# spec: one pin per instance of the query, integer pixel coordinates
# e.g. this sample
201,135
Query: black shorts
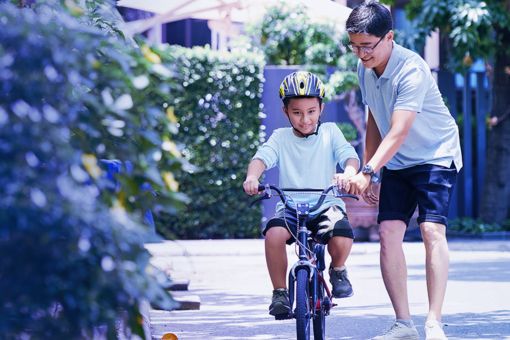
326,224
427,186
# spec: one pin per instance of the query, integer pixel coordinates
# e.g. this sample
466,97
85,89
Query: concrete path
231,279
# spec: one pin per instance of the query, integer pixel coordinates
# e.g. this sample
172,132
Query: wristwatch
367,169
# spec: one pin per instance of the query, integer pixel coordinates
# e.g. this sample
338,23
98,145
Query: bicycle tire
302,311
319,319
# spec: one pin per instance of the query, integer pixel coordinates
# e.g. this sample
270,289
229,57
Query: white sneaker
399,331
434,331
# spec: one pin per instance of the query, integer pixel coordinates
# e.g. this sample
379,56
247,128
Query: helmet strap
300,134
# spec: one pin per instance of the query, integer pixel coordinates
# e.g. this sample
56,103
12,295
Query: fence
469,102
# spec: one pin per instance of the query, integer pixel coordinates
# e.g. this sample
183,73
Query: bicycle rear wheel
302,311
319,319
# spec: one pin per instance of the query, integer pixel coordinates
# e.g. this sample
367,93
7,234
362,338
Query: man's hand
371,195
358,183
251,186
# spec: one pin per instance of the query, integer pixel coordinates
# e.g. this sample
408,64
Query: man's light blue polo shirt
407,84
307,162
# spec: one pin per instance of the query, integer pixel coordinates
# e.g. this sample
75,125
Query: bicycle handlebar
268,187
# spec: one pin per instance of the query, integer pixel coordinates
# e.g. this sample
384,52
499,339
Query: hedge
219,112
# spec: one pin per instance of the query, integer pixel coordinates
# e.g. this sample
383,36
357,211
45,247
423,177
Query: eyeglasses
365,49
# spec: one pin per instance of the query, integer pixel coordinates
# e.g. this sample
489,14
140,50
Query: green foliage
349,131
287,36
474,226
72,253
219,120
474,29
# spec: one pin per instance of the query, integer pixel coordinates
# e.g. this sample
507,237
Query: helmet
301,84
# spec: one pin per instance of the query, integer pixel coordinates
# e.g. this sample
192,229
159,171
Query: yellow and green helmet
301,84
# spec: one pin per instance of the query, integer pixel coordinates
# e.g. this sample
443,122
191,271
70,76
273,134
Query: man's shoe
434,331
280,304
342,287
399,331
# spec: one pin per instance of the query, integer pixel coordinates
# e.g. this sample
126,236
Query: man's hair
286,101
369,17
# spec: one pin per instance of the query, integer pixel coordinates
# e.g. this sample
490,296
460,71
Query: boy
410,133
306,154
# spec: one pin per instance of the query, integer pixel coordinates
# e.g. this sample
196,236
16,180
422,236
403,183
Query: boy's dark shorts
427,186
326,224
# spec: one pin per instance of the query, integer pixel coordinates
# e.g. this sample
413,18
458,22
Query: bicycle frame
306,282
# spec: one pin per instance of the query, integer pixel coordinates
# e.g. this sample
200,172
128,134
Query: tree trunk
495,206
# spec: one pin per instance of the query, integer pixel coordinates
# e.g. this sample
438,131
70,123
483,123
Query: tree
471,30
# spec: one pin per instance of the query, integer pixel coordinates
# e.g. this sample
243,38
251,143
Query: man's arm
255,169
401,122
372,139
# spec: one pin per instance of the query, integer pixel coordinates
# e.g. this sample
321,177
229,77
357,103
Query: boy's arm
351,169
255,169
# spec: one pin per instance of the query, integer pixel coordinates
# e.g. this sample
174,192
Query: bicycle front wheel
302,311
319,319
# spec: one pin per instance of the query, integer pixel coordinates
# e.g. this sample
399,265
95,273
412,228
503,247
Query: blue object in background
113,167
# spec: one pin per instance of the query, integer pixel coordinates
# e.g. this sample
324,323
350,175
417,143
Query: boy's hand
342,181
251,186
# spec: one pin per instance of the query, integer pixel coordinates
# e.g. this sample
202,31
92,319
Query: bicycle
312,295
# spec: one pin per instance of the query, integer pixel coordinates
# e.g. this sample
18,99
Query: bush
73,260
219,120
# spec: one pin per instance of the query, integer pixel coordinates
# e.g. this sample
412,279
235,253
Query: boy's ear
284,110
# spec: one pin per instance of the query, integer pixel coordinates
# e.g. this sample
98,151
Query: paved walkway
231,279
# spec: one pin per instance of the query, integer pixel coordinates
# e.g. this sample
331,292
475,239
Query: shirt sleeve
268,152
411,90
342,148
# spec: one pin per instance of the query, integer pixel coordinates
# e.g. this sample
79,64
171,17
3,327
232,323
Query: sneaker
434,331
280,304
342,287
399,331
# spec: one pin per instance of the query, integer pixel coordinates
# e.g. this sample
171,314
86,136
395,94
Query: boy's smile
304,114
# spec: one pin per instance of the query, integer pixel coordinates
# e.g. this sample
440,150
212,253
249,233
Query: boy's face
374,52
304,114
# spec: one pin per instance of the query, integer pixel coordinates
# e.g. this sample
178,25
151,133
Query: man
413,138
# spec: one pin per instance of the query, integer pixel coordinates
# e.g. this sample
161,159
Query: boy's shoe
342,287
434,331
280,304
399,331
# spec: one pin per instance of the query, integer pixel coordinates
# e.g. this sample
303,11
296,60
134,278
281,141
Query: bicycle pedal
284,316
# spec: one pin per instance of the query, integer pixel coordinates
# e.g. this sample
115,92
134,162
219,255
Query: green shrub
219,120
73,260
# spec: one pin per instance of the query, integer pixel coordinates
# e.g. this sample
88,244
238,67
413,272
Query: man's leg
393,266
436,265
276,255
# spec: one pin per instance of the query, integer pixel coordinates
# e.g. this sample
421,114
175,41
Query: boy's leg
436,265
276,255
339,248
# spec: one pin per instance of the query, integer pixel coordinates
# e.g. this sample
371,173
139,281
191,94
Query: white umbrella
240,11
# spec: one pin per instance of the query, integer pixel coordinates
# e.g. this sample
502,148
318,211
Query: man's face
373,51
304,114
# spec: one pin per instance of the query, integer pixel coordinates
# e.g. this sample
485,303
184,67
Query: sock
281,289
339,269
407,323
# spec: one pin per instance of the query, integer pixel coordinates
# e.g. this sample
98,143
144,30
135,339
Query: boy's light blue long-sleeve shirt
307,162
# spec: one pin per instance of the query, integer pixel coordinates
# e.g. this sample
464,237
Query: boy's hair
286,101
369,17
